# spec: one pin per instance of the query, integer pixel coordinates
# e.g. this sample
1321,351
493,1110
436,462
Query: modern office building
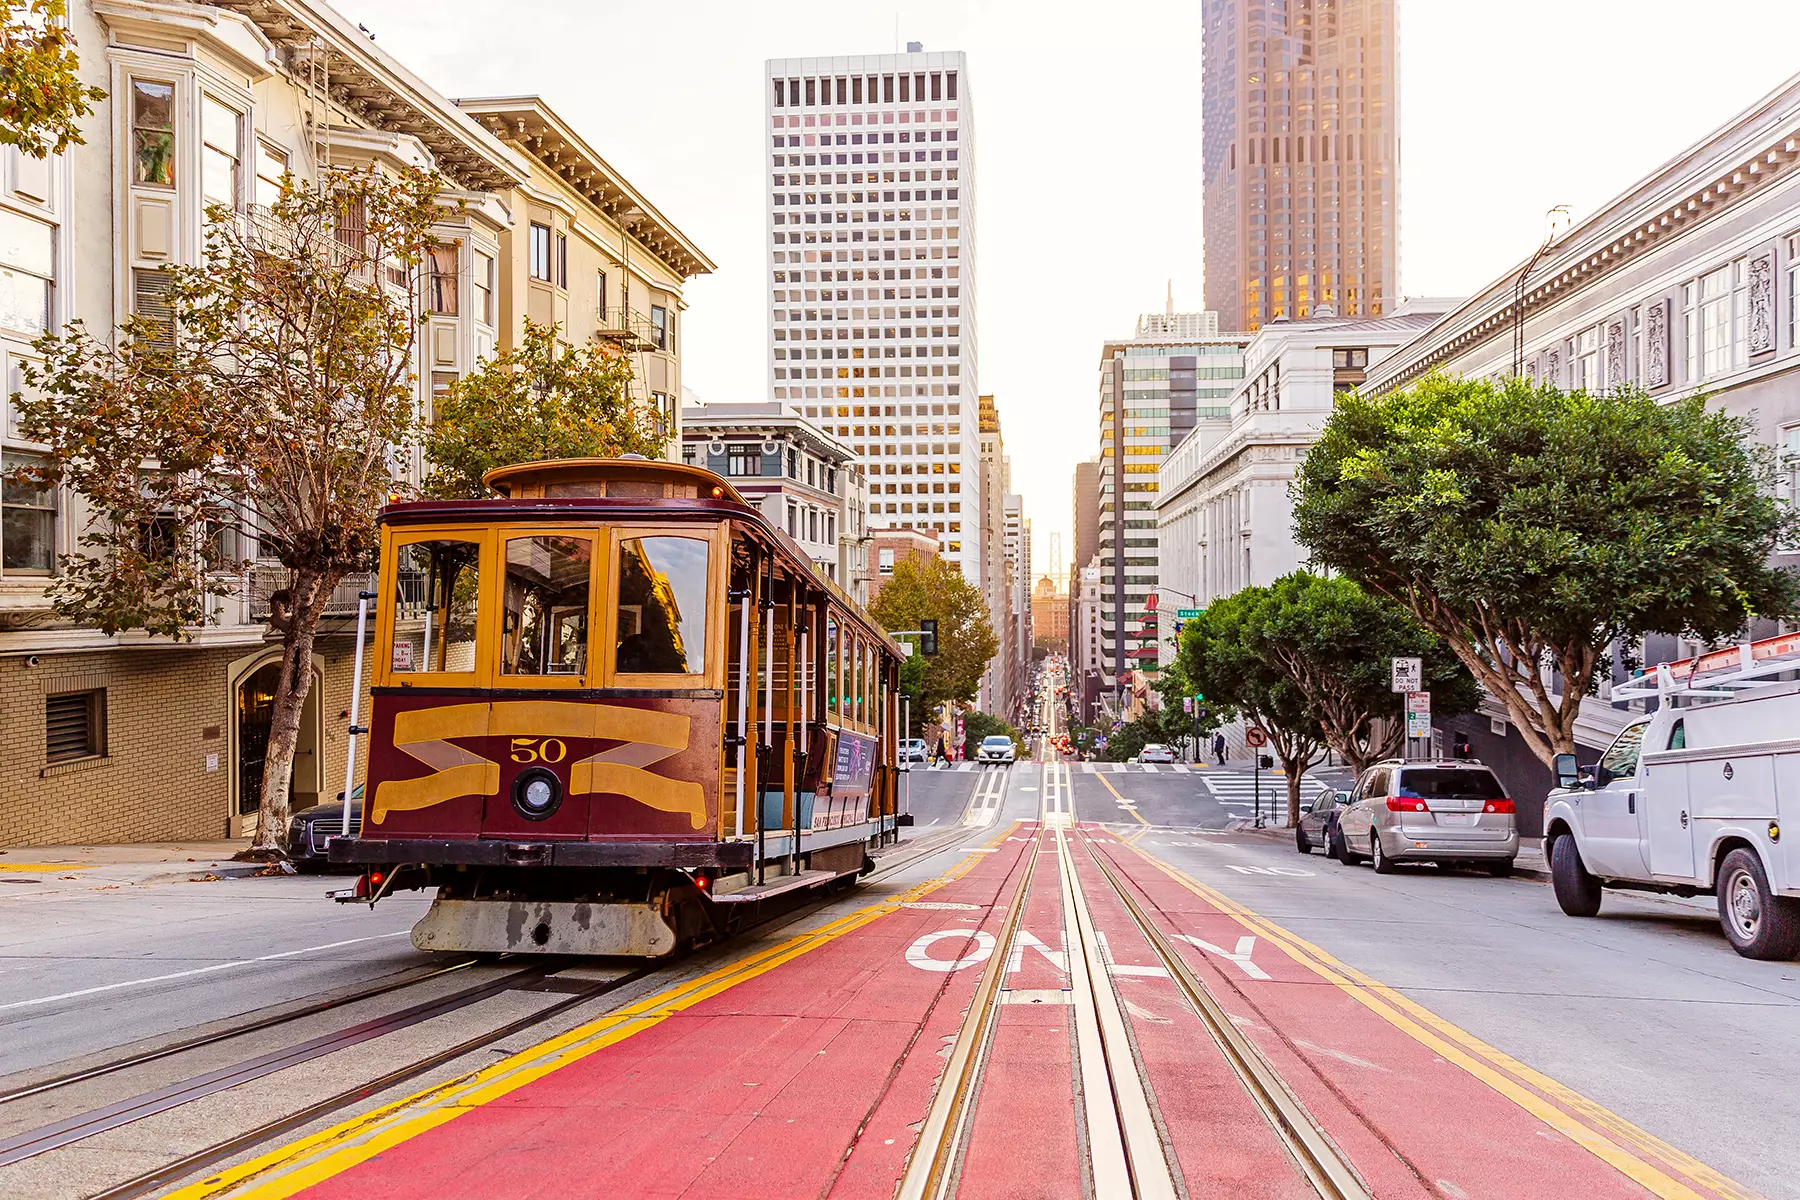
996,695
1301,158
1176,371
871,244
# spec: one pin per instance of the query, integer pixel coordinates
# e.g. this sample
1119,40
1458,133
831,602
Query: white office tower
871,223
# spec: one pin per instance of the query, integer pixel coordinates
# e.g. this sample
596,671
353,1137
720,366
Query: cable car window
831,667
662,606
546,625
862,681
437,588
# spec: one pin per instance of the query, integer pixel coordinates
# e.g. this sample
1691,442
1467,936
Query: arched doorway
252,706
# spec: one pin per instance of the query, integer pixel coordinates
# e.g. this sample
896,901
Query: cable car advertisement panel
852,769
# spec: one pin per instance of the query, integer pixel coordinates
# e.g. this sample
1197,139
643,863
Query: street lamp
1553,229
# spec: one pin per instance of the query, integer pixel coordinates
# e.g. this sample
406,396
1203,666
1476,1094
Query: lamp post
1551,232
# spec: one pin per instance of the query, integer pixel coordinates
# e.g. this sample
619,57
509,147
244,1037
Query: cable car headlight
537,794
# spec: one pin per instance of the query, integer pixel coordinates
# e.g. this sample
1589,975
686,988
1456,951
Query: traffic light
928,636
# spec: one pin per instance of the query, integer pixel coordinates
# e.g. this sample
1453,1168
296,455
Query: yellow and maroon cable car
615,710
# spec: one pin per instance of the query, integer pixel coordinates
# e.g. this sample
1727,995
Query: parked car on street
1692,800
914,750
1156,752
311,829
996,748
1446,811
1318,821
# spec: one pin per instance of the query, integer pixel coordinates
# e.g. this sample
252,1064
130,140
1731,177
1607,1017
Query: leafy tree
1225,655
923,588
541,399
42,100
912,686
1334,640
272,405
1532,529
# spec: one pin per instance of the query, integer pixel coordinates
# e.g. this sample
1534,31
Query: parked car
1447,811
1318,826
1693,801
996,748
914,750
310,830
1156,752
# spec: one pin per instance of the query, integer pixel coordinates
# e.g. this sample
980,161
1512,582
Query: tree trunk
1293,784
287,711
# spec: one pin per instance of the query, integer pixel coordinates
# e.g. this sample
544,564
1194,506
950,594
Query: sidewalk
119,865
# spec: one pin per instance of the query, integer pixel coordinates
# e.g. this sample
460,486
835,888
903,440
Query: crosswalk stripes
1150,769
1233,790
1180,768
1088,768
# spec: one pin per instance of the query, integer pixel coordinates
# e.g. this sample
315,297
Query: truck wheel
1759,923
1378,858
1577,891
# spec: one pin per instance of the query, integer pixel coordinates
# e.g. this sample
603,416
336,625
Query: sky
1088,150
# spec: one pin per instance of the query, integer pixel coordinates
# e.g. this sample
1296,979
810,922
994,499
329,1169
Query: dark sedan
1318,821
310,831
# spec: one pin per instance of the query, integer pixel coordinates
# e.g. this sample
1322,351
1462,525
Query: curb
1523,867
197,874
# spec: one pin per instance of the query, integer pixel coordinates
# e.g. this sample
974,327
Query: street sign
1256,737
1187,704
1418,714
1409,674
1188,614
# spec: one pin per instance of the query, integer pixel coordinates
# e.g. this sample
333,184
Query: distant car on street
1156,752
310,830
996,748
1318,821
914,750
1447,811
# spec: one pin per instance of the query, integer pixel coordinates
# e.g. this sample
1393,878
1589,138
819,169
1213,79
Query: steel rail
153,1180
929,1169
223,1035
1325,1166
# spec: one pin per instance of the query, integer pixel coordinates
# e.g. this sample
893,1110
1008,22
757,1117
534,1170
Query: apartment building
1175,372
889,547
586,251
871,236
1687,282
802,479
1300,151
130,738
1049,616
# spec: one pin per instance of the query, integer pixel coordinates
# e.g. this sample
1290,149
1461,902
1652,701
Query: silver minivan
1444,811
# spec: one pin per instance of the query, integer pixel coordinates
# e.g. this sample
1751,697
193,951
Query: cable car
614,710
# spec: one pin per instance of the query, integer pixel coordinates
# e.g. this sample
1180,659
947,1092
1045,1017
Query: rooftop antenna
1169,300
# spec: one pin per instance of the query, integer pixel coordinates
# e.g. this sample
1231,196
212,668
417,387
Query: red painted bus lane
755,1091
1403,1102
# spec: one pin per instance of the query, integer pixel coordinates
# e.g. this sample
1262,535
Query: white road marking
224,966
1151,769
917,955
965,765
1118,768
1240,956
1088,768
1182,769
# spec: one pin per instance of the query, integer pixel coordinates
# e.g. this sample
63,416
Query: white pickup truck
1702,799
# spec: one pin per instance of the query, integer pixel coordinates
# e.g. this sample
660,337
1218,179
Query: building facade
1050,616
1224,517
130,738
1087,662
888,547
1687,282
1300,158
996,695
871,236
1017,632
1177,371
803,480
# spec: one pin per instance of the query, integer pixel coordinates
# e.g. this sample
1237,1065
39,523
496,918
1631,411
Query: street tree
42,98
1334,640
1226,656
540,399
260,419
1535,529
924,588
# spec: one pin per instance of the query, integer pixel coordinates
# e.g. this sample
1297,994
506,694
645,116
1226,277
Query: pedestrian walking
943,750
1219,748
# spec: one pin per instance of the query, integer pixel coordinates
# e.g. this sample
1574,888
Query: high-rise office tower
1301,158
871,242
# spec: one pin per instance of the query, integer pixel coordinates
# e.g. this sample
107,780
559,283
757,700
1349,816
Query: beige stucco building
128,738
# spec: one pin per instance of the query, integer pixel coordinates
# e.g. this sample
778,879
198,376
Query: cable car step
775,887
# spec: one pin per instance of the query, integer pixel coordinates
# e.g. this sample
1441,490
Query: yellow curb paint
46,868
1504,1074
310,1160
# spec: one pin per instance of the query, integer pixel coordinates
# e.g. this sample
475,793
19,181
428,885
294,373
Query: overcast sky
1088,149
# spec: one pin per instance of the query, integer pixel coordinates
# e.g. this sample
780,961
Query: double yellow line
1647,1160
310,1160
